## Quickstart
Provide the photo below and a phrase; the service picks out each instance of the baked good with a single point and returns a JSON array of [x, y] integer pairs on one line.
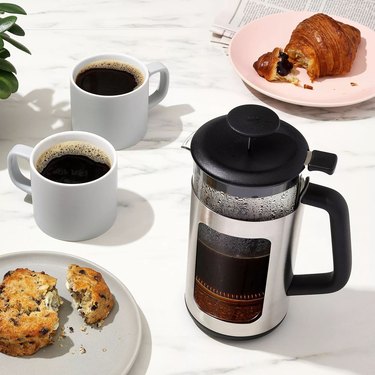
[[29, 304], [323, 46], [275, 66], [90, 293], [319, 44]]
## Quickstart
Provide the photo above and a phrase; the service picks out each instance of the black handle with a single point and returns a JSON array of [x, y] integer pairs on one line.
[[322, 161], [333, 202]]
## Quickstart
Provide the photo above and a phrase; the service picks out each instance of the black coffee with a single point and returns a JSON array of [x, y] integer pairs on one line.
[[109, 78], [230, 275], [73, 163], [235, 277]]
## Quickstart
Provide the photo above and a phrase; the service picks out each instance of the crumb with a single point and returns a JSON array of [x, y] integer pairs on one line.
[[62, 334], [353, 84], [71, 329], [82, 350], [309, 87], [104, 350], [83, 328]]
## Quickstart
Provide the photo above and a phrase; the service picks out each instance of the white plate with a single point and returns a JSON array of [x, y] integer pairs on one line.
[[110, 350], [264, 34]]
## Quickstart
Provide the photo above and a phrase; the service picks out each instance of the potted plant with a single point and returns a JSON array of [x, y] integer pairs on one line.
[[8, 25]]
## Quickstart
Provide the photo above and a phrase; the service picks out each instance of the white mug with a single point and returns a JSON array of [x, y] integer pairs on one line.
[[121, 119], [67, 211]]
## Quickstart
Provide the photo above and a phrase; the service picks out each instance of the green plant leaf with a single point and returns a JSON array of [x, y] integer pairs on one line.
[[17, 30], [10, 80], [11, 8], [4, 91], [7, 22], [16, 44], [1, 42], [4, 53], [7, 66]]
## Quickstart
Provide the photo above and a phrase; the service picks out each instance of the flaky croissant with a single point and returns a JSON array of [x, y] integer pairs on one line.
[[275, 66], [319, 44], [323, 46]]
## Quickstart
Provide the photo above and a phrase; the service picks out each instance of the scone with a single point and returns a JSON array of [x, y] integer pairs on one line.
[[90, 293], [29, 304]]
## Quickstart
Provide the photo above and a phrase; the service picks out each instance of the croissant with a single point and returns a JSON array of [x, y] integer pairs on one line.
[[275, 66], [323, 46], [319, 44]]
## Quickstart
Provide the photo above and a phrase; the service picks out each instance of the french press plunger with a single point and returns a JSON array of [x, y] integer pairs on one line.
[[246, 205]]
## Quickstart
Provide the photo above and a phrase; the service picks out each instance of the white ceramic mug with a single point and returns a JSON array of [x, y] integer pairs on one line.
[[71, 212], [121, 119]]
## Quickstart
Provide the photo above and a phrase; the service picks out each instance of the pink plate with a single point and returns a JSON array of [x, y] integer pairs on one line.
[[264, 34]]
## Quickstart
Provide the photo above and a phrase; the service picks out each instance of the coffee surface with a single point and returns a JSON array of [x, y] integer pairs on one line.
[[109, 78], [73, 163]]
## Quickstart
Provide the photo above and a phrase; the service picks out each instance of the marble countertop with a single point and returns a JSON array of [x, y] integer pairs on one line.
[[147, 246]]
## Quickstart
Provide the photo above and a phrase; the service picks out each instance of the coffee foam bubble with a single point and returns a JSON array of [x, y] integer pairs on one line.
[[72, 148], [117, 65]]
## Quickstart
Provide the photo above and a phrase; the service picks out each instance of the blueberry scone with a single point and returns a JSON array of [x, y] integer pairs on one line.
[[90, 293], [29, 304]]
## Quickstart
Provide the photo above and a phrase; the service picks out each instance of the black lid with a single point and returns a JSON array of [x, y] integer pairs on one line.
[[249, 147]]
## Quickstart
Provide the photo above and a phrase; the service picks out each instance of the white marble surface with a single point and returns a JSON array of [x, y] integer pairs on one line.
[[147, 246]]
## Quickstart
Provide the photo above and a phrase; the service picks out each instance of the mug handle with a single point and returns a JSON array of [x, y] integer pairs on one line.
[[14, 170], [337, 208], [160, 93]]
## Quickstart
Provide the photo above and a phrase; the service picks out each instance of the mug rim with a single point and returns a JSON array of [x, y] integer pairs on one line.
[[34, 156], [102, 56]]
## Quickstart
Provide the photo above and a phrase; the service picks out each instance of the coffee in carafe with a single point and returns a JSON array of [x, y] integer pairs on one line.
[[230, 275]]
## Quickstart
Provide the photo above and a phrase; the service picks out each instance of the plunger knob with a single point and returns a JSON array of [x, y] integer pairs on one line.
[[253, 120]]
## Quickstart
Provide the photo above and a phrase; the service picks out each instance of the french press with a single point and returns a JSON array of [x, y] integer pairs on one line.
[[246, 206]]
